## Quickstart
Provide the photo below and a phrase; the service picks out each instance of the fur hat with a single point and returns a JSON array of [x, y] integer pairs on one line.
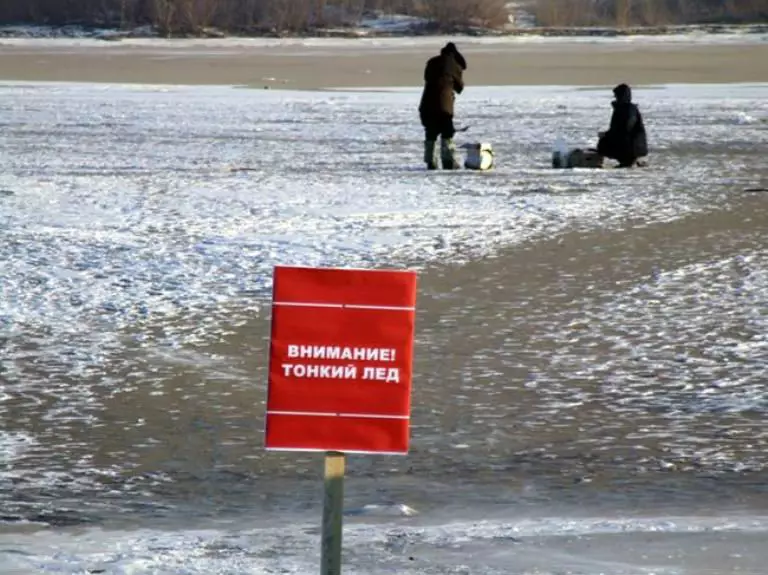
[[623, 93]]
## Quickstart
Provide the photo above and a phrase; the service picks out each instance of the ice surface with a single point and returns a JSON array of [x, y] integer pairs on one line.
[[13, 445], [687, 350], [131, 206], [543, 546], [127, 210]]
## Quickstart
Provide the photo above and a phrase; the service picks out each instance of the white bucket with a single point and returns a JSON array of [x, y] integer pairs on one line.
[[479, 156]]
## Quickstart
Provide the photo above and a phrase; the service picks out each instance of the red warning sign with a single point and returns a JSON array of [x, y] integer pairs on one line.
[[341, 359]]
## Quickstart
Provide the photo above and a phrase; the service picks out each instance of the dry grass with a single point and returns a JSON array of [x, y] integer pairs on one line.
[[624, 13]]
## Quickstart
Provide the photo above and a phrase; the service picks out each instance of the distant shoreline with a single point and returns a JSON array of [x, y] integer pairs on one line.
[[113, 34], [316, 63]]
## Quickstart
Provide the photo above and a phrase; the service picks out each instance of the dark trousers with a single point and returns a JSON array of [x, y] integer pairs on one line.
[[620, 151], [438, 125]]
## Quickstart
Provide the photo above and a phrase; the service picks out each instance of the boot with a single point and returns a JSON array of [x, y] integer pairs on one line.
[[448, 154], [430, 154]]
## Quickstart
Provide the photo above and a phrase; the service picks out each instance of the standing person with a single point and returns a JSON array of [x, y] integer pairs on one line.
[[625, 140], [443, 76]]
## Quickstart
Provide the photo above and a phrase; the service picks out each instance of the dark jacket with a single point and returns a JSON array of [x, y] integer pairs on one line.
[[626, 139], [443, 76]]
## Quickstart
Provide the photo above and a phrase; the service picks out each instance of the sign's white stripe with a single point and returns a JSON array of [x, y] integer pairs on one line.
[[305, 304], [386, 307], [333, 414], [343, 305]]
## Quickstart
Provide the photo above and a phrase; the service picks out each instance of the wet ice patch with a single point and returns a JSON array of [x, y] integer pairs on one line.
[[686, 363], [703, 329]]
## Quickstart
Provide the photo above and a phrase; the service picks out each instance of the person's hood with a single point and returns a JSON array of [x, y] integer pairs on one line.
[[623, 94], [450, 48]]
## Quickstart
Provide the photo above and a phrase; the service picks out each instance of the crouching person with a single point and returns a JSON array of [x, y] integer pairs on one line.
[[625, 140], [443, 78]]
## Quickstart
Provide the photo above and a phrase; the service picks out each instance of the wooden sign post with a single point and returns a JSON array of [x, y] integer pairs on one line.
[[333, 513], [341, 360]]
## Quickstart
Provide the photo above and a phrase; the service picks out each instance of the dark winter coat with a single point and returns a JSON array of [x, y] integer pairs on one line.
[[443, 76], [626, 139]]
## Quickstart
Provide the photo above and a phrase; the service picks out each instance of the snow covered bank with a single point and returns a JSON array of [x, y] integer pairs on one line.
[[385, 31]]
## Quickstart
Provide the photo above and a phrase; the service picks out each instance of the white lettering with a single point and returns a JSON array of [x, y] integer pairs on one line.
[[344, 353], [320, 371], [381, 373], [335, 352], [318, 351], [305, 351]]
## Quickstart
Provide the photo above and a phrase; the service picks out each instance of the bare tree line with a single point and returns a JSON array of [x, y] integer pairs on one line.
[[192, 17], [245, 16]]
